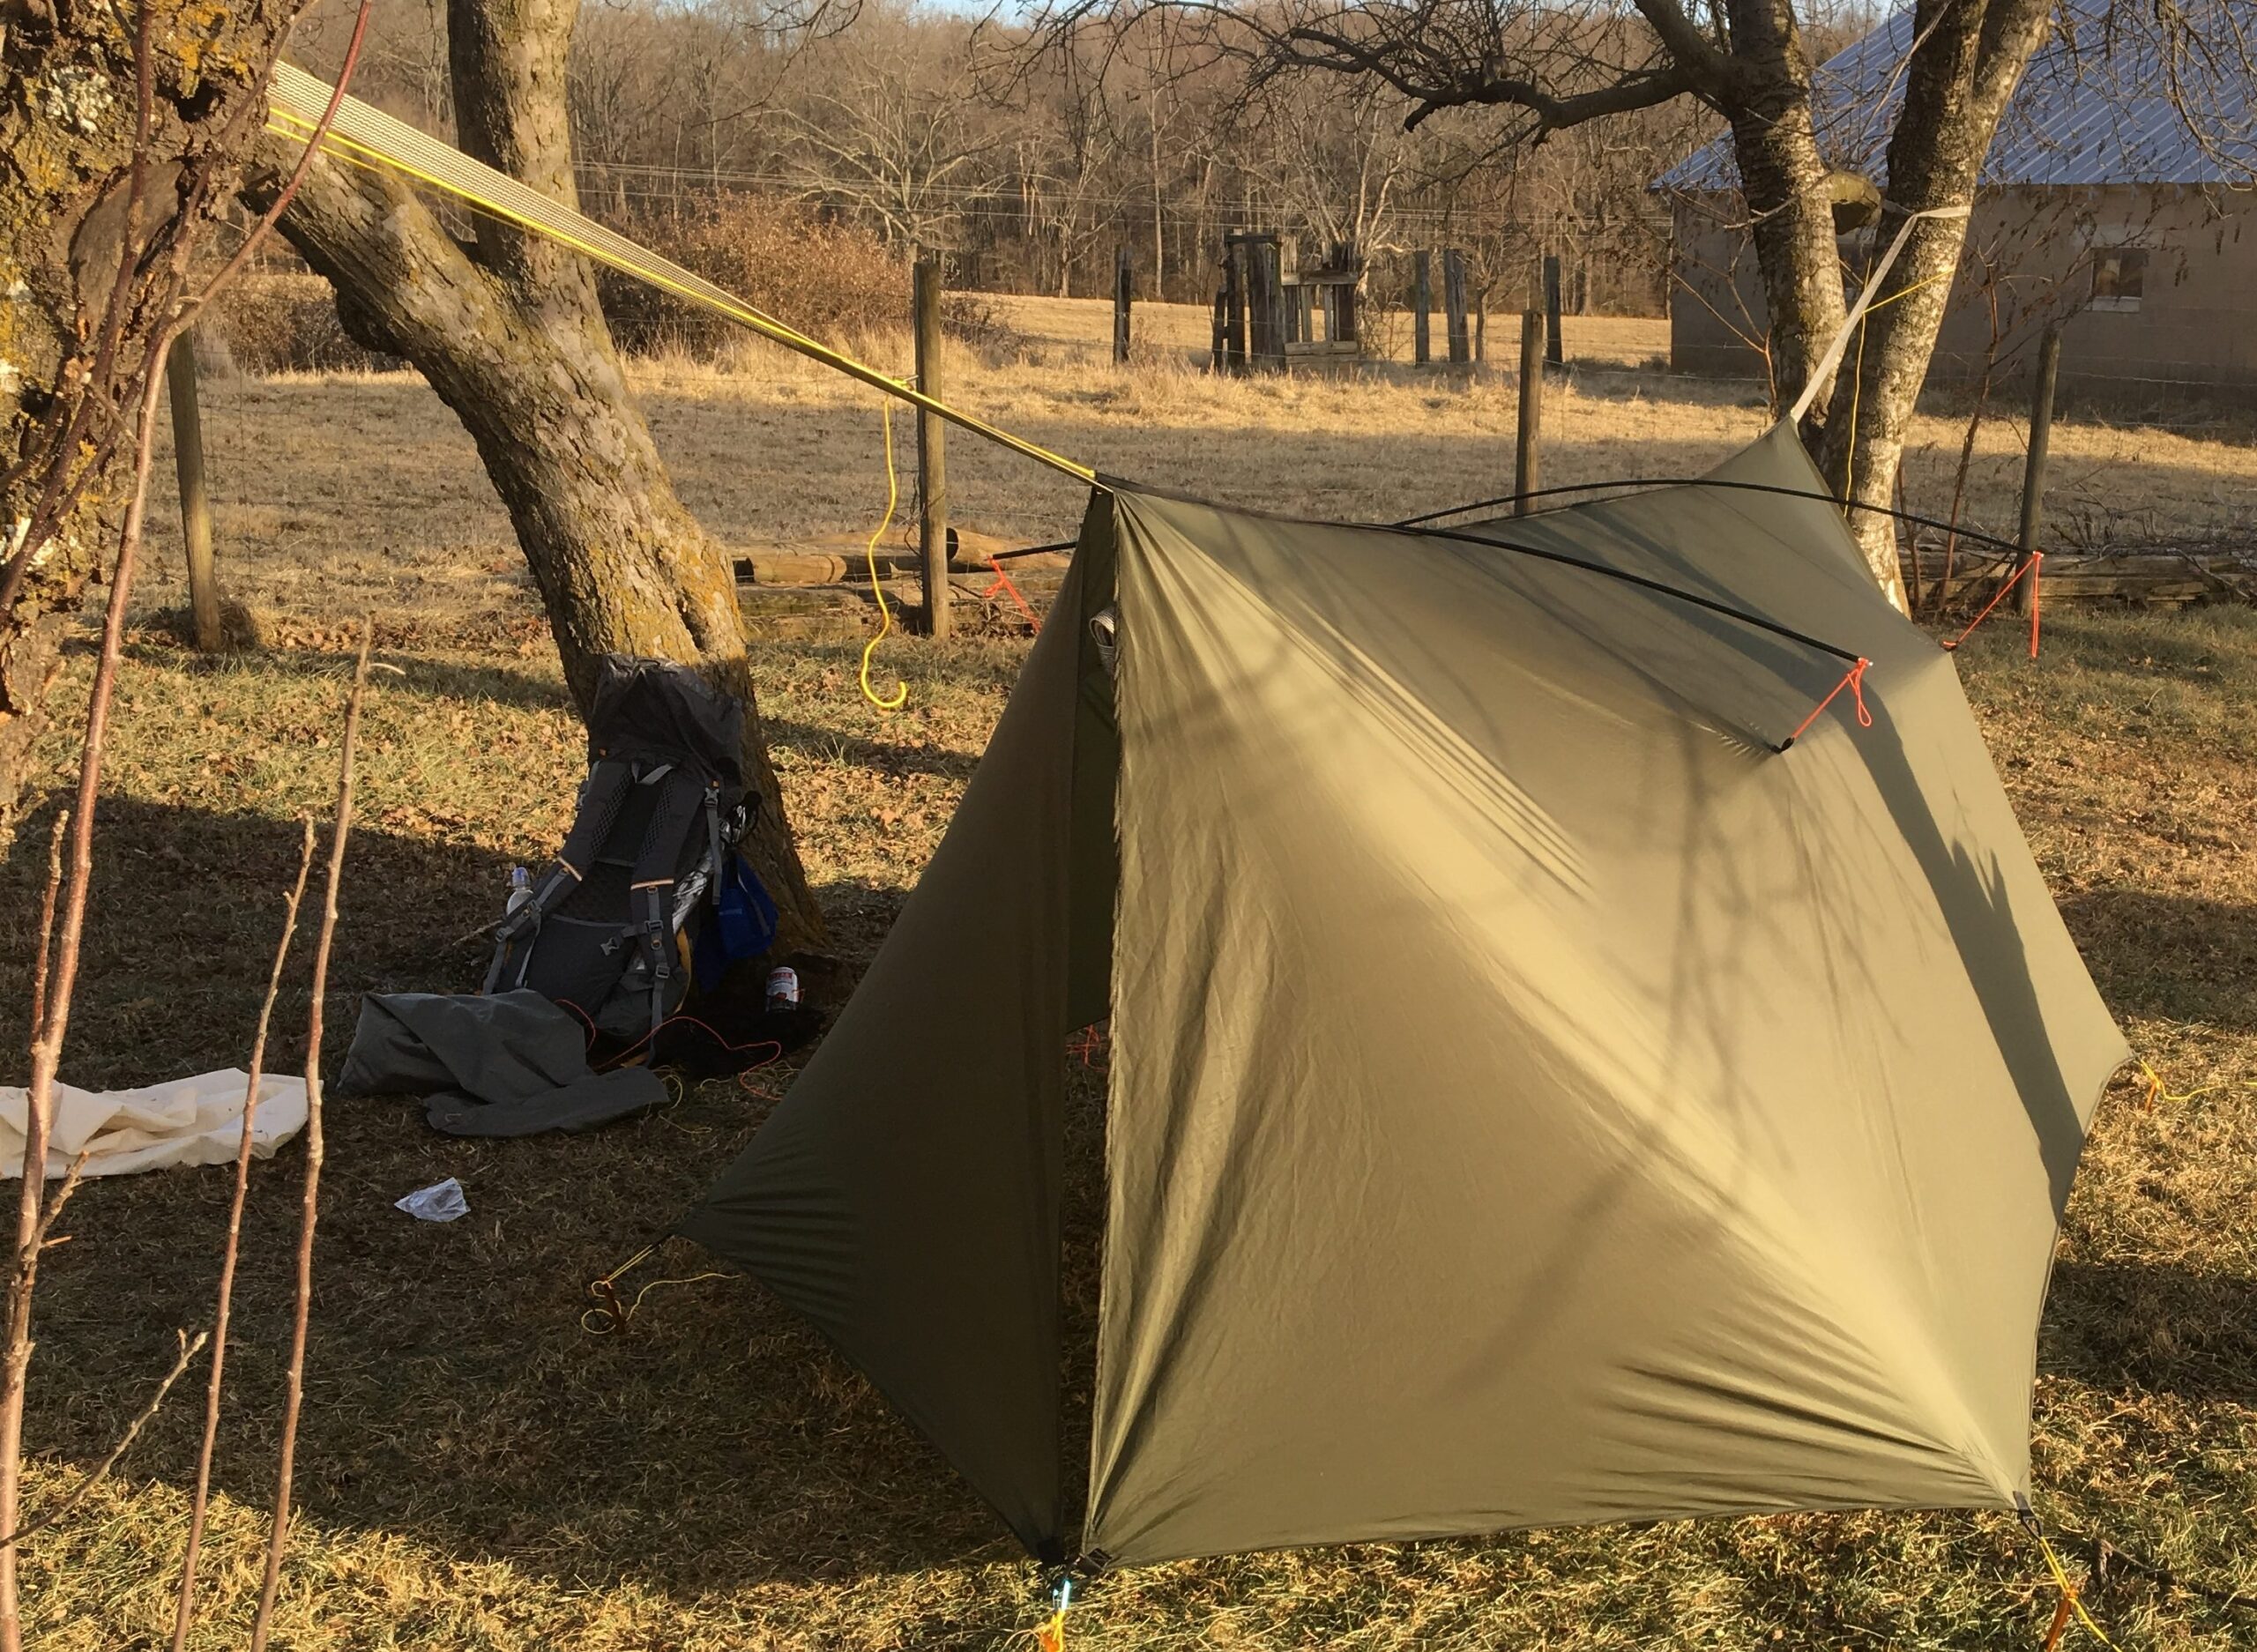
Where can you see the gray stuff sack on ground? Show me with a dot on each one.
(513, 1064)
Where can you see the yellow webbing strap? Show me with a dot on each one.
(367, 137)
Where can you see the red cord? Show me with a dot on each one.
(2035, 557)
(1854, 680)
(1089, 1043)
(1004, 582)
(761, 1090)
(1999, 596)
(586, 1020)
(620, 1059)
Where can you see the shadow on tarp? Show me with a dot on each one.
(453, 1399)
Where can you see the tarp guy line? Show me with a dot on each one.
(1890, 511)
(367, 137)
(1627, 577)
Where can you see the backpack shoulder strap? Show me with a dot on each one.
(601, 798)
(713, 835)
(652, 892)
(599, 813)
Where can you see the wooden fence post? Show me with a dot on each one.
(932, 458)
(1123, 292)
(195, 503)
(1531, 409)
(1461, 344)
(1266, 312)
(2033, 471)
(1234, 284)
(1555, 353)
(1422, 302)
(1340, 321)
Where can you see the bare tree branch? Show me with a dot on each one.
(45, 956)
(272, 215)
(310, 1201)
(184, 1607)
(48, 1039)
(189, 1347)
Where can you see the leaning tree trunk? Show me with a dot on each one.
(1956, 89)
(1782, 180)
(510, 335)
(97, 220)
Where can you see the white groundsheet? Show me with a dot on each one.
(182, 1121)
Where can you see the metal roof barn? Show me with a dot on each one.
(2096, 106)
(2115, 204)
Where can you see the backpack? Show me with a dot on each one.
(648, 879)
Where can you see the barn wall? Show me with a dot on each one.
(1715, 301)
(2193, 328)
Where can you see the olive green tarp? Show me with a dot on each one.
(1536, 1097)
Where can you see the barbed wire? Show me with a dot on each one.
(1015, 202)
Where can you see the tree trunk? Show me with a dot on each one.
(1783, 179)
(1956, 89)
(93, 245)
(1957, 86)
(510, 335)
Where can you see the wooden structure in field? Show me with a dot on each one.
(2153, 577)
(817, 588)
(1321, 301)
(1275, 305)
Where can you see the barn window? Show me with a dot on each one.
(2119, 275)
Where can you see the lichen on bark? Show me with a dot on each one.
(96, 223)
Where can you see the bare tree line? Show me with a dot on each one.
(1027, 154)
(1545, 69)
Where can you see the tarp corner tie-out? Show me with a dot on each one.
(1854, 680)
(2030, 566)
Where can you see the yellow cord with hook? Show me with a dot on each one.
(2158, 1092)
(609, 1314)
(1857, 379)
(2069, 1592)
(877, 589)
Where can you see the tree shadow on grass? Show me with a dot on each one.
(890, 758)
(2175, 956)
(452, 1395)
(471, 682)
(2158, 1328)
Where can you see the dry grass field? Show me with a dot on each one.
(476, 1472)
(350, 493)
